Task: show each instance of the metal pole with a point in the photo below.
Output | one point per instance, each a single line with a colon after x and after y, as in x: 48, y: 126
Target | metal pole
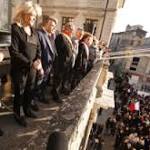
x: 127, y: 56
x: 129, y: 52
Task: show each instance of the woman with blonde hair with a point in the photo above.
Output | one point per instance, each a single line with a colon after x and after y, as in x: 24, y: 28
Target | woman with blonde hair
x: 25, y: 59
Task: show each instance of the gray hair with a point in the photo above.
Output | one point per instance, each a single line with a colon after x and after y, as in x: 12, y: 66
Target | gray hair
x: 27, y: 7
x: 68, y: 25
x: 47, y: 18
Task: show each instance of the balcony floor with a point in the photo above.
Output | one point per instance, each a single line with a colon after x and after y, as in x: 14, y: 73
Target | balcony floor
x: 16, y: 137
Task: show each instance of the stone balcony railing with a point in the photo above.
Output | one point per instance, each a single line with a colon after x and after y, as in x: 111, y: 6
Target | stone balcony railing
x: 73, y: 117
x: 69, y: 120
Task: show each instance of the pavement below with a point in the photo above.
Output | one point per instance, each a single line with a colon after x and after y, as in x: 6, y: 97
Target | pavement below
x: 108, y: 139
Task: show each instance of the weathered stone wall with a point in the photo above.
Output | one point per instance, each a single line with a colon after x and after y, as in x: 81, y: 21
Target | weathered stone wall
x: 4, y: 15
x: 80, y: 10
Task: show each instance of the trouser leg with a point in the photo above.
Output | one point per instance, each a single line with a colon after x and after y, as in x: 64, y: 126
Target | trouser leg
x: 29, y: 89
x: 66, y: 80
x: 19, y: 81
x: 1, y: 132
x: 57, y: 85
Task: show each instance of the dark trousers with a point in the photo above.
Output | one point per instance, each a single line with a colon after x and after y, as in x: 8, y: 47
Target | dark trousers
x: 77, y: 76
x: 66, y: 79
x: 61, y: 80
x: 57, y: 83
x: 23, y: 83
x: 41, y: 84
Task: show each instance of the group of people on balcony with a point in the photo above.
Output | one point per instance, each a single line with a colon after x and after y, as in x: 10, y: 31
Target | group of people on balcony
x: 39, y: 54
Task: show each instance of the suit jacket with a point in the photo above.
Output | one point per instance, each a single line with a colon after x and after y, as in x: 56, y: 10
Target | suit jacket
x: 47, y: 49
x: 64, y: 48
x: 82, y: 57
x: 24, y: 49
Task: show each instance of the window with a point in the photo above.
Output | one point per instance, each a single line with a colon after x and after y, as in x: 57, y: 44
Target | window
x: 65, y: 20
x: 135, y: 61
x: 132, y: 42
x: 4, y: 14
x: 133, y: 68
x: 139, y: 43
x: 134, y: 34
x: 136, y: 58
x: 118, y: 41
x: 90, y: 26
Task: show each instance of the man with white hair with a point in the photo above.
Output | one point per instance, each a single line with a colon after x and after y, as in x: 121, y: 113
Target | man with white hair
x: 63, y: 62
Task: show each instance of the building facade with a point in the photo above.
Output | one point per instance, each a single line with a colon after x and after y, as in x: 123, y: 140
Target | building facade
x: 133, y: 39
x: 139, y: 68
x: 96, y: 16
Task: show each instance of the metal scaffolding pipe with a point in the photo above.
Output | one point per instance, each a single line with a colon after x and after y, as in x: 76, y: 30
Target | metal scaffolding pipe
x: 126, y: 56
x: 130, y: 52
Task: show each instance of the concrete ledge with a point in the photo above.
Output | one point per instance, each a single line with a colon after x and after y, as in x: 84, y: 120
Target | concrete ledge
x: 73, y: 115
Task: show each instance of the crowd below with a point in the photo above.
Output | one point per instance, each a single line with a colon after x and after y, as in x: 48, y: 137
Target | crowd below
x: 130, y: 126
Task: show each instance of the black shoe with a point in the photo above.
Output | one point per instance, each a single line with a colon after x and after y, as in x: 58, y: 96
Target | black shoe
x: 20, y: 120
x: 66, y: 92
x: 55, y: 96
x: 34, y: 106
x: 1, y: 132
x: 30, y: 114
x: 44, y: 100
x: 57, y: 99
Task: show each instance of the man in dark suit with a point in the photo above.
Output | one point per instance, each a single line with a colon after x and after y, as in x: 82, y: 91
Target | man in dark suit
x: 64, y: 61
x: 46, y: 37
x: 82, y: 59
